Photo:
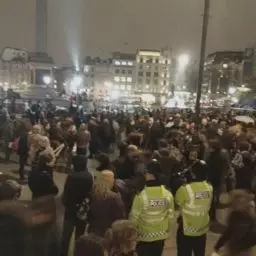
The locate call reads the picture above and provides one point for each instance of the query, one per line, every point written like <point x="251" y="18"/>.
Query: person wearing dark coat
<point x="104" y="163"/>
<point x="239" y="237"/>
<point x="23" y="150"/>
<point x="78" y="187"/>
<point x="29" y="229"/>
<point x="126" y="168"/>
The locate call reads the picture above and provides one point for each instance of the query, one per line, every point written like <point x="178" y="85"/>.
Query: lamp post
<point x="202" y="55"/>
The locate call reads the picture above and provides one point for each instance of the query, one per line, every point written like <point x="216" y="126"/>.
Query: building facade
<point x="222" y="70"/>
<point x="30" y="75"/>
<point x="147" y="74"/>
<point x="153" y="73"/>
<point x="124" y="73"/>
<point x="98" y="77"/>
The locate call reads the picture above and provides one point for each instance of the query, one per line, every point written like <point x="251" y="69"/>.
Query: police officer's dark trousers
<point x="150" y="248"/>
<point x="190" y="245"/>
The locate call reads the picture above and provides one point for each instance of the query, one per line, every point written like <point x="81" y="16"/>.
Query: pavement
<point x="170" y="246"/>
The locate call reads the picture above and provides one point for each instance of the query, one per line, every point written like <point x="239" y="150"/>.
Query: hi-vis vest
<point x="152" y="212"/>
<point x="195" y="200"/>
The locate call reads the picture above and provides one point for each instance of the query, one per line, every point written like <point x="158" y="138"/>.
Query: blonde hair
<point x="121" y="236"/>
<point x="101" y="188"/>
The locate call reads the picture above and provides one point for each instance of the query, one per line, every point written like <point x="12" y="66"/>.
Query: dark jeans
<point x="8" y="151"/>
<point x="190" y="245"/>
<point x="215" y="202"/>
<point x="68" y="228"/>
<point x="22" y="161"/>
<point x="150" y="248"/>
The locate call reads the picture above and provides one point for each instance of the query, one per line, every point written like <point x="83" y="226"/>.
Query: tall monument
<point x="41" y="25"/>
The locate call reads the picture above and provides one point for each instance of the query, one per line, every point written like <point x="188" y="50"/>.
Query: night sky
<point x="98" y="27"/>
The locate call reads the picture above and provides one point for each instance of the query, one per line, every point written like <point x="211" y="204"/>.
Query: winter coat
<point x="77" y="187"/>
<point x="100" y="220"/>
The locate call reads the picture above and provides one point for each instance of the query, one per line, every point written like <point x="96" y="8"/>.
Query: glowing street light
<point x="225" y="65"/>
<point x="183" y="60"/>
<point x="47" y="80"/>
<point x="76" y="81"/>
<point x="115" y="95"/>
<point x="231" y="90"/>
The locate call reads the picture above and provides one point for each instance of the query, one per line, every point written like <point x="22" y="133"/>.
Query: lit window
<point x="123" y="79"/>
<point x="147" y="86"/>
<point x="117" y="63"/>
<point x="130" y="63"/>
<point x="129" y="87"/>
<point x="124" y="63"/>
<point x="117" y="78"/>
<point x="129" y="79"/>
<point x="122" y="86"/>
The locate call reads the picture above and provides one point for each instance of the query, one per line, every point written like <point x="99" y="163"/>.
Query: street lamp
<point x="115" y="95"/>
<point x="76" y="81"/>
<point x="76" y="84"/>
<point x="225" y="65"/>
<point x="231" y="90"/>
<point x="183" y="60"/>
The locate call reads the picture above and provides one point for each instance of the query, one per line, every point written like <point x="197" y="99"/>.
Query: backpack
<point x="84" y="208"/>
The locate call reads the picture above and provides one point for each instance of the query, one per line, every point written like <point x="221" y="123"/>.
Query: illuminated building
<point x="98" y="77"/>
<point x="153" y="72"/>
<point x="222" y="70"/>
<point x="147" y="73"/>
<point x="124" y="73"/>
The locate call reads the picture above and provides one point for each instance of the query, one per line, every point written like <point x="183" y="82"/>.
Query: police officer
<point x="194" y="199"/>
<point x="152" y="211"/>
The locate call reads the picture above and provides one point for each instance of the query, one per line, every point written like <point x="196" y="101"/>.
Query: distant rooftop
<point x="40" y="57"/>
<point x="124" y="56"/>
<point x="148" y="52"/>
<point x="217" y="57"/>
<point x="97" y="60"/>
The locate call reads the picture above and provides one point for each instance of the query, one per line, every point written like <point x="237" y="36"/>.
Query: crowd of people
<point x="154" y="169"/>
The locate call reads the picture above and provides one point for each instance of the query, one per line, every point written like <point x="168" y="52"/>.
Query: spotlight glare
<point x="47" y="80"/>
